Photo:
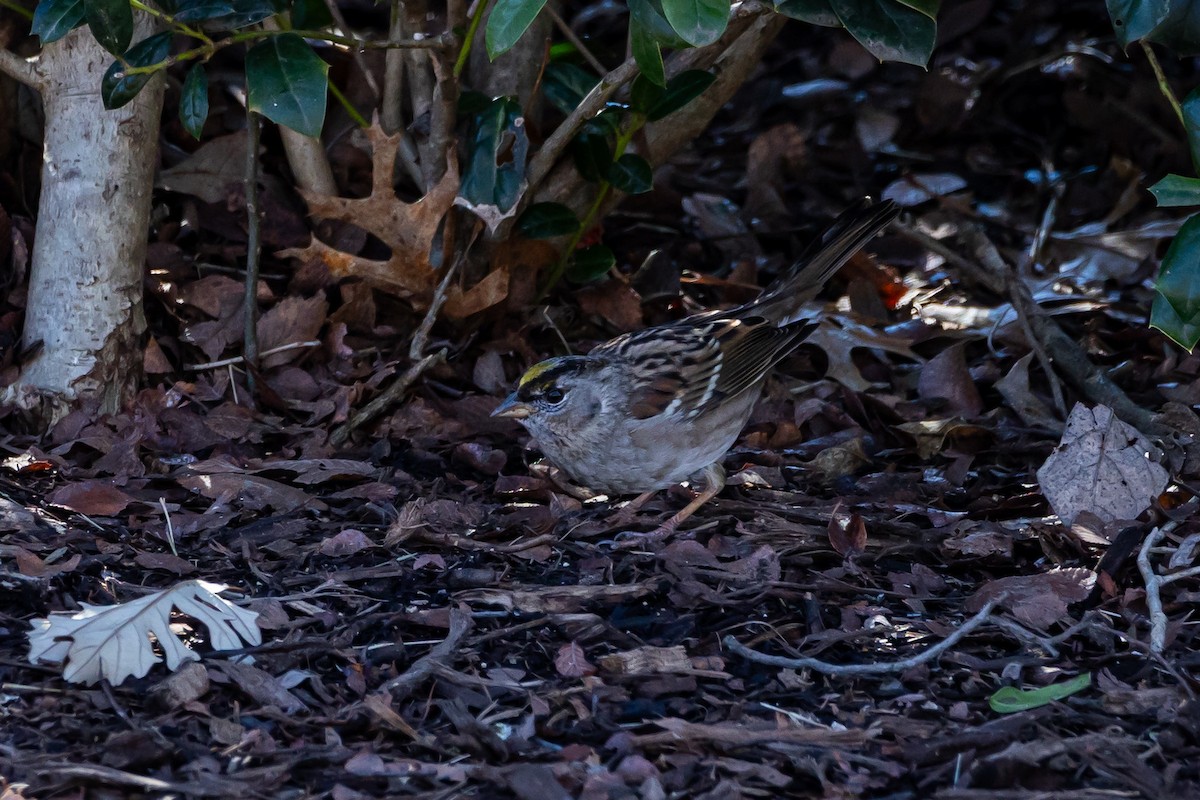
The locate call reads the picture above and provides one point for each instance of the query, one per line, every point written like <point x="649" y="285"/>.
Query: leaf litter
<point x="442" y="617"/>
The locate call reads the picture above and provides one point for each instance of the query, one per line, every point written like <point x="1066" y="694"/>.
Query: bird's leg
<point x="625" y="515"/>
<point x="714" y="482"/>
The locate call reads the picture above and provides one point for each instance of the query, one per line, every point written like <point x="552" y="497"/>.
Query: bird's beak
<point x="513" y="408"/>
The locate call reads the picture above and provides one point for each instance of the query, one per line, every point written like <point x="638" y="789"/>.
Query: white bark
<point x="85" y="292"/>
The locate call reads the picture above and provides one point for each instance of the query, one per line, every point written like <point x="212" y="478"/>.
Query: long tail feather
<point x="853" y="228"/>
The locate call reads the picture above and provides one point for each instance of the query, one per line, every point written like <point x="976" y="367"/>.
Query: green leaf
<point x="1177" y="190"/>
<point x="286" y="83"/>
<point x="193" y="101"/>
<point x="1009" y="699"/>
<point x="54" y="19"/>
<point x="509" y="19"/>
<point x="311" y="15"/>
<point x="226" y="13"/>
<point x="1135" y="19"/>
<point x="1180" y="31"/>
<point x="591" y="153"/>
<point x="649" y="15"/>
<point x="496" y="156"/>
<point x="591" y="263"/>
<point x="1191" y="124"/>
<point x="644" y="94"/>
<point x="698" y="22"/>
<point x="1176" y="308"/>
<point x="111" y="22"/>
<point x="681" y="90"/>
<point x="566" y="85"/>
<point x="888" y="29"/>
<point x="117" y="88"/>
<point x="814" y="12"/>
<point x="643" y="43"/>
<point x="927" y="7"/>
<point x="547" y="220"/>
<point x="631" y="174"/>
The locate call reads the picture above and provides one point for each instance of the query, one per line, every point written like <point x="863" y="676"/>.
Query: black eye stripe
<point x="548" y="380"/>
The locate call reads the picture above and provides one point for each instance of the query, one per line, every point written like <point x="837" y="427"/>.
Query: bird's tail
<point x="853" y="228"/>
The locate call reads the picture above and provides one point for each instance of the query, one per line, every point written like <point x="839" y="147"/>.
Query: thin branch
<point x="571" y="37"/>
<point x="356" y="54"/>
<point x="253" y="249"/>
<point x="1163" y="86"/>
<point x="867" y="669"/>
<point x="1016" y="277"/>
<point x="391" y="112"/>
<point x="1068" y="356"/>
<point x="420" y="337"/>
<point x="1154" y="583"/>
<point x="593" y="104"/>
<point x="386" y="399"/>
<point x="19" y="69"/>
<point x="225" y="362"/>
<point x="403" y="685"/>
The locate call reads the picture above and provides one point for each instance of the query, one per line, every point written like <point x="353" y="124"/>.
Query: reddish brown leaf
<point x="94" y="498"/>
<point x="571" y="662"/>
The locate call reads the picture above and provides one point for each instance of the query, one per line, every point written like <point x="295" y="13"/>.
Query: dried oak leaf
<point x="409" y="229"/>
<point x="114" y="642"/>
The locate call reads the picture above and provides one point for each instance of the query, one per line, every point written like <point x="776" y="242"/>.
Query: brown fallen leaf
<point x="97" y="498"/>
<point x="571" y="662"/>
<point x="1037" y="600"/>
<point x="946" y="377"/>
<point x="408" y="229"/>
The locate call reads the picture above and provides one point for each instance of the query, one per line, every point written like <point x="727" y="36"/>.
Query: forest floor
<point x="439" y="619"/>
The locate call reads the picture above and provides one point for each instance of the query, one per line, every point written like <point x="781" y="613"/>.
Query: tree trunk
<point x="85" y="291"/>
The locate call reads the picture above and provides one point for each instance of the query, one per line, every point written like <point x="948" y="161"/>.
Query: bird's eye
<point x="554" y="395"/>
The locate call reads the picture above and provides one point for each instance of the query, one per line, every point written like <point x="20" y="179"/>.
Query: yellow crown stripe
<point x="537" y="370"/>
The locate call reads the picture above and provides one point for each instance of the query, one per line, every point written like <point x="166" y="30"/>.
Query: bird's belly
<point x="655" y="454"/>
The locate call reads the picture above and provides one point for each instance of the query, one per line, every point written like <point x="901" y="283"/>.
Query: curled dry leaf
<point x="1101" y="465"/>
<point x="113" y="642"/>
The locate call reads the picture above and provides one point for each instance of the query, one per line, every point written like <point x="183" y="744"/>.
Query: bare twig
<point x="1154" y="583"/>
<point x="421" y="336"/>
<point x="969" y="268"/>
<point x="1067" y="356"/>
<point x="169" y="530"/>
<point x="391" y="111"/>
<point x="403" y="685"/>
<point x="867" y="669"/>
<point x="386" y="399"/>
<point x="459" y="542"/>
<point x="591" y="105"/>
<point x="253" y="250"/>
<point x="443" y="116"/>
<point x="570" y="36"/>
<point x="1163" y="86"/>
<point x="355" y="53"/>
<point x="1015" y="278"/>
<point x="225" y="362"/>
<point x="20" y="70"/>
